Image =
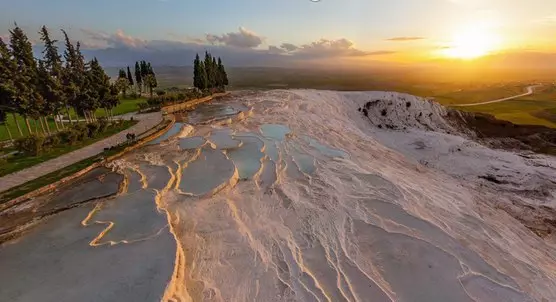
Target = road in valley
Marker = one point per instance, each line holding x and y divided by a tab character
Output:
529	91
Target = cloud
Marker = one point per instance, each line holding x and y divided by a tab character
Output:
323	48
404	39
242	48
242	39
117	39
381	53
289	47
276	50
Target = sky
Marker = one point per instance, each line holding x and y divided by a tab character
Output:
294	31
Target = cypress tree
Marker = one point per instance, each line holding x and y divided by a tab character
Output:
138	77
203	79
26	99
197	72
7	85
214	72
222	73
207	64
154	82
144	73
129	77
219	74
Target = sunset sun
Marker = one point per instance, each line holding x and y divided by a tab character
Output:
472	42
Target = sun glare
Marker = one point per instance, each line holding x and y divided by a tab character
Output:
472	42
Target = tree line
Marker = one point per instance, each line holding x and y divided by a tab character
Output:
145	78
209	74
39	89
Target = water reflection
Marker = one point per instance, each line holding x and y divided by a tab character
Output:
176	128
211	112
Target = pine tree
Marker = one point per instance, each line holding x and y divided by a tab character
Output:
7	85
197	72
138	77
4	120
129	77
47	89
122	82
26	99
85	100
102	87
53	91
112	99
70	81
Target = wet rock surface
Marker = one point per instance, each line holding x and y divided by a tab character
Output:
298	200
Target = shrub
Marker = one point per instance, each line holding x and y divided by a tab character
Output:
69	136
143	106
102	124
160	92
181	96
154	102
31	145
82	132
52	141
383	112
92	129
133	96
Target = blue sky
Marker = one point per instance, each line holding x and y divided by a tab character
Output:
297	21
367	24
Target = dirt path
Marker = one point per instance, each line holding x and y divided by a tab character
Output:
146	122
529	91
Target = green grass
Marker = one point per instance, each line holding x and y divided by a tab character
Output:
125	106
13	127
479	95
20	162
54	176
521	111
536	109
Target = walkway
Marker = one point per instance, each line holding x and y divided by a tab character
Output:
530	90
146	122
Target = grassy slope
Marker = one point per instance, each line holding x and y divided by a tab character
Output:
536	109
126	106
479	95
20	162
13	127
